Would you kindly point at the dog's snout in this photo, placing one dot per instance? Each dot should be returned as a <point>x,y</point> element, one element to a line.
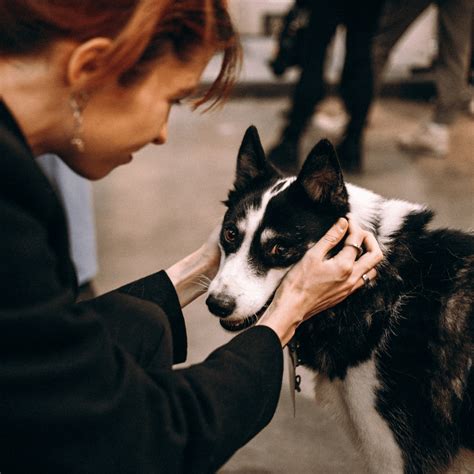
<point>220,306</point>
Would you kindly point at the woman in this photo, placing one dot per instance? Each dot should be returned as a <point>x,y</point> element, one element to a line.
<point>89,387</point>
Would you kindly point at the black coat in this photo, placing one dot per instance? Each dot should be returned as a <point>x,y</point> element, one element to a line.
<point>89,388</point>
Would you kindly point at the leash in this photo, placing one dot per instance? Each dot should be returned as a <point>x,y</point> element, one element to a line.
<point>295,380</point>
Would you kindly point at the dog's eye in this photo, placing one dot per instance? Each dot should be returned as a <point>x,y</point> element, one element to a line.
<point>230,234</point>
<point>278,250</point>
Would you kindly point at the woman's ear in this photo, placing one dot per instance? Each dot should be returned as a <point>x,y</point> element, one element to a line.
<point>85,61</point>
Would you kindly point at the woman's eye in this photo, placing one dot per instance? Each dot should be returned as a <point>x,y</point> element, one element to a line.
<point>278,250</point>
<point>230,235</point>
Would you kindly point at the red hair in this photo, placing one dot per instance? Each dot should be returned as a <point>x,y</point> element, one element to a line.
<point>141,30</point>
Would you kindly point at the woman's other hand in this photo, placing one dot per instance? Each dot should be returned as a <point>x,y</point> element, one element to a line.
<point>211,253</point>
<point>317,283</point>
<point>191,275</point>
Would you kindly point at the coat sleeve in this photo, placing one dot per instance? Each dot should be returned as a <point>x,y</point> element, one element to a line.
<point>141,328</point>
<point>73,399</point>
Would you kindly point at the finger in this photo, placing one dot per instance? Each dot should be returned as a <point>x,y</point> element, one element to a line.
<point>371,257</point>
<point>332,237</point>
<point>355,233</point>
<point>371,275</point>
<point>349,250</point>
<point>353,245</point>
<point>215,233</point>
<point>370,243</point>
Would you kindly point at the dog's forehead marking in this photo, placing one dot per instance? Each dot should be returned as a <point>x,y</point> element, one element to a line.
<point>254,216</point>
<point>240,224</point>
<point>278,186</point>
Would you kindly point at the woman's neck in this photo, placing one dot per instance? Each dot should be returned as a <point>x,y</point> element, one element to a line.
<point>30,89</point>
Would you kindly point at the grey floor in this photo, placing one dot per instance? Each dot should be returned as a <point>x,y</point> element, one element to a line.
<point>164,204</point>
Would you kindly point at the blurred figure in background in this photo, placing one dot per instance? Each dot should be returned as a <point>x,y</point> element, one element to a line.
<point>454,45</point>
<point>292,38</point>
<point>360,20</point>
<point>75,193</point>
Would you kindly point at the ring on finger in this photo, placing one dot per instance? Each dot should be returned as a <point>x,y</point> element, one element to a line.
<point>357,247</point>
<point>366,279</point>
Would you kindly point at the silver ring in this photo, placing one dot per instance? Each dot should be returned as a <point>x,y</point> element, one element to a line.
<point>366,279</point>
<point>357,247</point>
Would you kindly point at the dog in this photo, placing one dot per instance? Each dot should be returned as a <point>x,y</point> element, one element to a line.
<point>394,360</point>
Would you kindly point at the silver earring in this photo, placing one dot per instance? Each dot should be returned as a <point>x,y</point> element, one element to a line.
<point>78,103</point>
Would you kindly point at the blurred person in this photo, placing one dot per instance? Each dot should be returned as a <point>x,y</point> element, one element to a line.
<point>291,39</point>
<point>451,67</point>
<point>360,20</point>
<point>75,193</point>
<point>89,387</point>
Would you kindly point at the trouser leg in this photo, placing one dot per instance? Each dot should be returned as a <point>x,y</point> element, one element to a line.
<point>396,17</point>
<point>454,38</point>
<point>357,79</point>
<point>309,89</point>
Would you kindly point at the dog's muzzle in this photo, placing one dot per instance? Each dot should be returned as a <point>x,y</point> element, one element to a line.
<point>224,306</point>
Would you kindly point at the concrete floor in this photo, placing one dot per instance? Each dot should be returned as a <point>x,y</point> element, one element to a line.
<point>163,205</point>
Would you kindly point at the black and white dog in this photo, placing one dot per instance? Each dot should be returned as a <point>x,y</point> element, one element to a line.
<point>394,360</point>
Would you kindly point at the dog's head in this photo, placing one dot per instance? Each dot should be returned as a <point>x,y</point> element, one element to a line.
<point>270,223</point>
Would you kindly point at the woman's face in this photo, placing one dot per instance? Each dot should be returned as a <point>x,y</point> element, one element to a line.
<point>118,121</point>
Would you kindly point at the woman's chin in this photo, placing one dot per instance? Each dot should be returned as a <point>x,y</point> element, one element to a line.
<point>103,169</point>
<point>123,160</point>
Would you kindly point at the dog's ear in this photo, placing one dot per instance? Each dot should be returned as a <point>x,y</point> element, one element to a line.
<point>321,177</point>
<point>251,162</point>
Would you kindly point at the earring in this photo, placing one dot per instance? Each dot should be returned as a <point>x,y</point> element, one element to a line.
<point>78,103</point>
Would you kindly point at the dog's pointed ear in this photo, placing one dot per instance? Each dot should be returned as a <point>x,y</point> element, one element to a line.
<point>251,162</point>
<point>321,176</point>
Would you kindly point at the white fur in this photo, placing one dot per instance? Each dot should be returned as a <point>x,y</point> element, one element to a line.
<point>368,207</point>
<point>365,206</point>
<point>394,212</point>
<point>377,440</point>
<point>352,402</point>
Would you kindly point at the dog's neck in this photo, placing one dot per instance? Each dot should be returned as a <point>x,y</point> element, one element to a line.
<point>383,217</point>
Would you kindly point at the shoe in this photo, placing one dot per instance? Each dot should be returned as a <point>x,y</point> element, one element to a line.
<point>430,138</point>
<point>349,152</point>
<point>333,124</point>
<point>284,157</point>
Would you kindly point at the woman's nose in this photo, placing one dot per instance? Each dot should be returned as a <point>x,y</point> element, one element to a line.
<point>162,137</point>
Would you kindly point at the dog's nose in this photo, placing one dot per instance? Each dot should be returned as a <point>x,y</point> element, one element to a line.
<point>219,306</point>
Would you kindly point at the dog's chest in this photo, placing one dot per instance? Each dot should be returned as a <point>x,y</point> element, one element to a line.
<point>352,402</point>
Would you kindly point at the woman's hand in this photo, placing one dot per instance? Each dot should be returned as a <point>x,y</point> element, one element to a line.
<point>191,275</point>
<point>211,253</point>
<point>317,283</point>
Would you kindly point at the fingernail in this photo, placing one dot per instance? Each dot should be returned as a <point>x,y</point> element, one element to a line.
<point>342,224</point>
